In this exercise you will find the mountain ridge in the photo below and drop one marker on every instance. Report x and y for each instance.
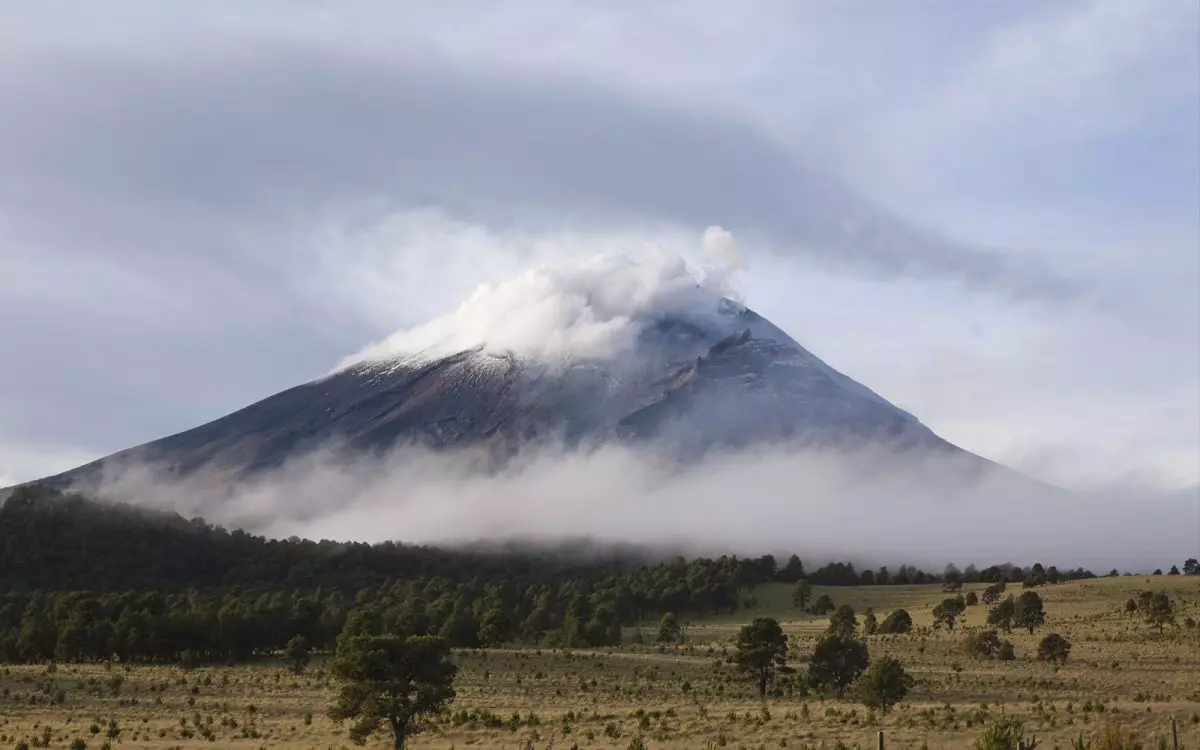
(729, 380)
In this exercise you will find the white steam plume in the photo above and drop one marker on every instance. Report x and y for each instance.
(593, 309)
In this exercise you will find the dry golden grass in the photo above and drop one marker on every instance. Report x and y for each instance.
(682, 697)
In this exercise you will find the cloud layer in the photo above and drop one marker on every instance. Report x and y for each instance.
(985, 214)
(871, 507)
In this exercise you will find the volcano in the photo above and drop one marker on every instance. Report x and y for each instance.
(660, 360)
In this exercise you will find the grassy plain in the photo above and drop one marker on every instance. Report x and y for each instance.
(680, 697)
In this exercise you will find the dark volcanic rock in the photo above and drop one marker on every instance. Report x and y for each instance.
(688, 388)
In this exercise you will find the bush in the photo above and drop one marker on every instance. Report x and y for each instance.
(836, 662)
(871, 624)
(948, 612)
(1054, 649)
(1006, 733)
(899, 621)
(982, 645)
(668, 628)
(823, 605)
(884, 684)
(843, 622)
(992, 593)
(1029, 612)
(971, 599)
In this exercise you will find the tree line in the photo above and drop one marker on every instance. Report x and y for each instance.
(87, 580)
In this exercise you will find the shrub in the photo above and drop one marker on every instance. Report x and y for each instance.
(899, 621)
(884, 684)
(1054, 649)
(836, 662)
(843, 622)
(982, 645)
(871, 624)
(948, 612)
(1029, 612)
(992, 593)
(823, 605)
(1005, 733)
(668, 628)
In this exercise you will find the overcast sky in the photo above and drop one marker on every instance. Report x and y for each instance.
(986, 212)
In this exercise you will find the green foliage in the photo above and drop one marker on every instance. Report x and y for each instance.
(843, 622)
(1029, 612)
(1156, 608)
(947, 613)
(801, 593)
(1054, 649)
(984, 644)
(1002, 615)
(390, 681)
(174, 590)
(823, 605)
(897, 621)
(669, 628)
(792, 572)
(1006, 651)
(883, 684)
(836, 662)
(295, 654)
(762, 651)
(992, 593)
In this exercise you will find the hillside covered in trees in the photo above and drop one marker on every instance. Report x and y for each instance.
(90, 580)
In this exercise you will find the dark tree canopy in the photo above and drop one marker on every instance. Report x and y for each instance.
(391, 681)
(792, 571)
(843, 622)
(1054, 649)
(898, 621)
(883, 684)
(992, 593)
(1002, 614)
(762, 651)
(823, 605)
(669, 628)
(1028, 611)
(1157, 609)
(984, 644)
(870, 622)
(801, 593)
(948, 611)
(296, 654)
(837, 662)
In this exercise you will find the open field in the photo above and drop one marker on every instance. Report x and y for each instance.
(679, 697)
